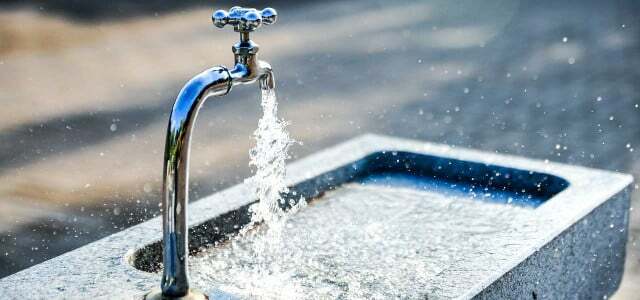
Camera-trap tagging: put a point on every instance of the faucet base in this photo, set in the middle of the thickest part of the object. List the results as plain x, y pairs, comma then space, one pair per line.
156, 294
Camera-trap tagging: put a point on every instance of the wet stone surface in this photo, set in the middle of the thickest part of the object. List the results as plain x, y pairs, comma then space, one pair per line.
365, 242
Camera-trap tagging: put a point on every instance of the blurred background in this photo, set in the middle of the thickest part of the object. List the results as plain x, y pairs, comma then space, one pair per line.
86, 88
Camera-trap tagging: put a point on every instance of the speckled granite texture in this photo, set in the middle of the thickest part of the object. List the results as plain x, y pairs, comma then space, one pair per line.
575, 265
576, 250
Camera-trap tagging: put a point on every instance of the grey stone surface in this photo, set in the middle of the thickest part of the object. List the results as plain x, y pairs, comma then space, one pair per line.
577, 247
584, 262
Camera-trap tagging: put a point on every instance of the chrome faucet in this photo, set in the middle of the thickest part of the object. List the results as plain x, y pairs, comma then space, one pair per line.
216, 81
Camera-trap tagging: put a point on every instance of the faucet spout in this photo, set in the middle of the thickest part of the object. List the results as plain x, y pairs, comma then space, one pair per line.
250, 73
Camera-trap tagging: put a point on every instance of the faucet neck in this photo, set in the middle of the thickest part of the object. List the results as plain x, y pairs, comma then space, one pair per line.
245, 51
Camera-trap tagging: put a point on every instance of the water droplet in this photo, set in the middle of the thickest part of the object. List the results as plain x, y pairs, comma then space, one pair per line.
113, 127
572, 60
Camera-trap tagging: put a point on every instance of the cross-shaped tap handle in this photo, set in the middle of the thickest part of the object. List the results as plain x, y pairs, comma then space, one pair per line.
244, 19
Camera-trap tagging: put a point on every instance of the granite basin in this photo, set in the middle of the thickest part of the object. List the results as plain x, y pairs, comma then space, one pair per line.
384, 218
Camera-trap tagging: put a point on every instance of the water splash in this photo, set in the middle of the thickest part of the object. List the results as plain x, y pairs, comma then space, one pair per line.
357, 242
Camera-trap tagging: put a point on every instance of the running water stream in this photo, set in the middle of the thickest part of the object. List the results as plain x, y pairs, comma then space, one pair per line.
268, 218
268, 156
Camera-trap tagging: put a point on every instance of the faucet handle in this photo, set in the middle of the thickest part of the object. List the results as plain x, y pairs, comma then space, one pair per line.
244, 19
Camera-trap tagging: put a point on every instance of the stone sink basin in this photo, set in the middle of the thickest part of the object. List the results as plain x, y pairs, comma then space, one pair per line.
383, 218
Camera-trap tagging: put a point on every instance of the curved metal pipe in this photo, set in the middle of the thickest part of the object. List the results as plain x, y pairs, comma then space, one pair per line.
213, 82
